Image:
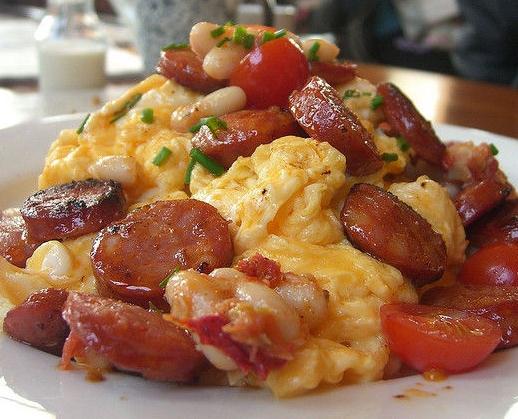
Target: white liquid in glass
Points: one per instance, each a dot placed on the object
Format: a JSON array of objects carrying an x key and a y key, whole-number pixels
[{"x": 71, "y": 64}]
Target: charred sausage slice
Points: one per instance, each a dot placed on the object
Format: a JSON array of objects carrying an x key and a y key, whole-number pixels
[
  {"x": 495, "y": 302},
  {"x": 73, "y": 209},
  {"x": 246, "y": 130},
  {"x": 404, "y": 118},
  {"x": 15, "y": 243},
  {"x": 378, "y": 223},
  {"x": 334, "y": 73},
  {"x": 130, "y": 338},
  {"x": 132, "y": 257},
  {"x": 38, "y": 321},
  {"x": 501, "y": 225},
  {"x": 321, "y": 113},
  {"x": 186, "y": 68}
]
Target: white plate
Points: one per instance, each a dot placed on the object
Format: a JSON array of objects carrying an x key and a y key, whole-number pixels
[{"x": 31, "y": 386}]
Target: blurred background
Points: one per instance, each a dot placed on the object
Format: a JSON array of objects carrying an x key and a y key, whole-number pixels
[{"x": 471, "y": 39}]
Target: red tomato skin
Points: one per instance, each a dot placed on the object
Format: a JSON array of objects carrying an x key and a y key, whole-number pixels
[
  {"x": 424, "y": 340},
  {"x": 492, "y": 265},
  {"x": 270, "y": 72}
]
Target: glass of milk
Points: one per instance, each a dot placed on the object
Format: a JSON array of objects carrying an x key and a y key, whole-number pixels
[{"x": 71, "y": 47}]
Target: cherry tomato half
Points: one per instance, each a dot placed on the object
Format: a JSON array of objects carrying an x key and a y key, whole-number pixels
[
  {"x": 492, "y": 265},
  {"x": 270, "y": 72},
  {"x": 427, "y": 337}
]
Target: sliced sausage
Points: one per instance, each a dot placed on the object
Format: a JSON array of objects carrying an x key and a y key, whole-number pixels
[
  {"x": 403, "y": 117},
  {"x": 38, "y": 321},
  {"x": 73, "y": 209},
  {"x": 130, "y": 338},
  {"x": 132, "y": 257},
  {"x": 378, "y": 223},
  {"x": 321, "y": 113},
  {"x": 334, "y": 73},
  {"x": 501, "y": 225},
  {"x": 246, "y": 130},
  {"x": 15, "y": 243},
  {"x": 186, "y": 68},
  {"x": 478, "y": 199},
  {"x": 495, "y": 302}
]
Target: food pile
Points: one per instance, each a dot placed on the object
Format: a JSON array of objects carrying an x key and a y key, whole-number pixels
[{"x": 257, "y": 214}]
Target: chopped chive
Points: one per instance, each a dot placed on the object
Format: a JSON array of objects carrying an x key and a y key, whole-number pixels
[
  {"x": 216, "y": 33},
  {"x": 212, "y": 122},
  {"x": 242, "y": 37},
  {"x": 126, "y": 107},
  {"x": 175, "y": 45},
  {"x": 147, "y": 116},
  {"x": 230, "y": 23},
  {"x": 376, "y": 102},
  {"x": 389, "y": 157},
  {"x": 351, "y": 93},
  {"x": 494, "y": 150},
  {"x": 163, "y": 282},
  {"x": 270, "y": 36},
  {"x": 82, "y": 126},
  {"x": 162, "y": 156},
  {"x": 402, "y": 143},
  {"x": 248, "y": 42},
  {"x": 280, "y": 33},
  {"x": 223, "y": 41},
  {"x": 212, "y": 166},
  {"x": 188, "y": 172},
  {"x": 312, "y": 55}
]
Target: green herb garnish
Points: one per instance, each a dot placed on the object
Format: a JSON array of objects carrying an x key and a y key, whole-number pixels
[
  {"x": 494, "y": 150},
  {"x": 223, "y": 41},
  {"x": 126, "y": 107},
  {"x": 212, "y": 122},
  {"x": 147, "y": 116},
  {"x": 163, "y": 282},
  {"x": 212, "y": 166},
  {"x": 351, "y": 93},
  {"x": 82, "y": 126},
  {"x": 175, "y": 45},
  {"x": 270, "y": 36},
  {"x": 188, "y": 172},
  {"x": 376, "y": 102},
  {"x": 402, "y": 143},
  {"x": 389, "y": 157},
  {"x": 242, "y": 37},
  {"x": 162, "y": 156},
  {"x": 216, "y": 33},
  {"x": 312, "y": 54}
]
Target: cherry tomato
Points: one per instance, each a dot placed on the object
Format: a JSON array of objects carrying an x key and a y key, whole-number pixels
[
  {"x": 427, "y": 337},
  {"x": 492, "y": 265},
  {"x": 270, "y": 72}
]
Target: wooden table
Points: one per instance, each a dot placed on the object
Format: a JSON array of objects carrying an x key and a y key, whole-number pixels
[{"x": 452, "y": 100}]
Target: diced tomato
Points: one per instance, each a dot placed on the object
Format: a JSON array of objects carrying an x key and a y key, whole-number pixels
[
  {"x": 492, "y": 265},
  {"x": 270, "y": 72},
  {"x": 449, "y": 340}
]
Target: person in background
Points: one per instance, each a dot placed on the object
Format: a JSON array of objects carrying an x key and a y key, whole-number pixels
[{"x": 488, "y": 48}]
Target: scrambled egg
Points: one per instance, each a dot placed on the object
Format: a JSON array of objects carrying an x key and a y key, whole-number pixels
[{"x": 283, "y": 202}]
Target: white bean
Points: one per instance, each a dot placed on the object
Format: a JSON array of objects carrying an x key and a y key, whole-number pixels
[
  {"x": 51, "y": 257},
  {"x": 123, "y": 169},
  {"x": 327, "y": 51},
  {"x": 201, "y": 40},
  {"x": 220, "y": 62},
  {"x": 222, "y": 101}
]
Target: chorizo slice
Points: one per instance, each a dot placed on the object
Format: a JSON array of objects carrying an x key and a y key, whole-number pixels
[
  {"x": 500, "y": 225},
  {"x": 378, "y": 223},
  {"x": 245, "y": 131},
  {"x": 404, "y": 118},
  {"x": 73, "y": 209},
  {"x": 132, "y": 257},
  {"x": 15, "y": 243},
  {"x": 186, "y": 68},
  {"x": 129, "y": 338},
  {"x": 478, "y": 199},
  {"x": 318, "y": 109},
  {"x": 495, "y": 302},
  {"x": 38, "y": 321},
  {"x": 334, "y": 73}
]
